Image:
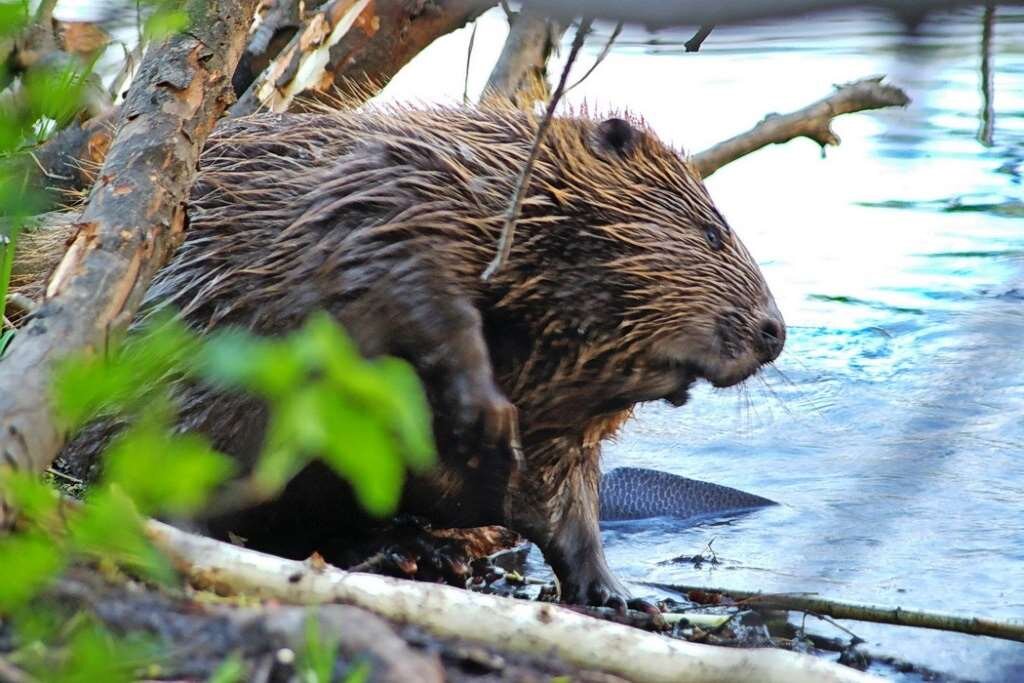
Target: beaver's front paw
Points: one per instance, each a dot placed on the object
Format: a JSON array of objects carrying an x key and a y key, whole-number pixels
[{"x": 482, "y": 411}]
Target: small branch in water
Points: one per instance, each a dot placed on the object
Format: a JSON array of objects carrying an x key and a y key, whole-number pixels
[
  {"x": 813, "y": 121},
  {"x": 694, "y": 43},
  {"x": 897, "y": 616},
  {"x": 509, "y": 229},
  {"x": 988, "y": 115}
]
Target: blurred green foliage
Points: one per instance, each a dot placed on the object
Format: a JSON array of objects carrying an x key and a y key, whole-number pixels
[{"x": 368, "y": 419}]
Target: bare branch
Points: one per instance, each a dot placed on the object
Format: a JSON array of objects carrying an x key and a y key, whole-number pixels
[
  {"x": 520, "y": 74},
  {"x": 352, "y": 42},
  {"x": 133, "y": 221},
  {"x": 813, "y": 121},
  {"x": 897, "y": 616},
  {"x": 694, "y": 43}
]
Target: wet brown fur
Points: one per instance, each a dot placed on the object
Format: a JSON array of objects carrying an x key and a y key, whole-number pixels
[{"x": 613, "y": 295}]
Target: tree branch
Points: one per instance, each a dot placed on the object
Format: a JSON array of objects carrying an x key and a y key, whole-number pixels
[
  {"x": 352, "y": 44},
  {"x": 509, "y": 624},
  {"x": 897, "y": 616},
  {"x": 133, "y": 221},
  {"x": 813, "y": 121},
  {"x": 520, "y": 74}
]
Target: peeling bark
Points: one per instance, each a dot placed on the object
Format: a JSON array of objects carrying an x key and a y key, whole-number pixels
[
  {"x": 134, "y": 219},
  {"x": 349, "y": 45},
  {"x": 813, "y": 121},
  {"x": 68, "y": 162}
]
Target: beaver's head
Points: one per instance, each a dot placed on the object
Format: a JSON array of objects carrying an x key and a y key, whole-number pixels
[{"x": 649, "y": 289}]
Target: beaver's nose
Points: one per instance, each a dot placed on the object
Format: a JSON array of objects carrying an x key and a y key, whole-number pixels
[{"x": 771, "y": 338}]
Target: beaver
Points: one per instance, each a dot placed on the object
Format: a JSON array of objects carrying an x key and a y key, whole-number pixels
[{"x": 625, "y": 284}]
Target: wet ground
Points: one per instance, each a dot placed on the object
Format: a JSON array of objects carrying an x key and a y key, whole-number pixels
[{"x": 891, "y": 429}]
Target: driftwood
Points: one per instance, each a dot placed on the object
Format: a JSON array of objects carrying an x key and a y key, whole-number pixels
[
  {"x": 513, "y": 625},
  {"x": 896, "y": 616},
  {"x": 134, "y": 219},
  {"x": 520, "y": 74},
  {"x": 813, "y": 121},
  {"x": 352, "y": 44}
]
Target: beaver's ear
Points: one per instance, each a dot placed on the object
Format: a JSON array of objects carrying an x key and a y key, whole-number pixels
[{"x": 618, "y": 136}]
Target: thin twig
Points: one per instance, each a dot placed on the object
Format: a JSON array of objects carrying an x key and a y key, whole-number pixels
[
  {"x": 63, "y": 475},
  {"x": 694, "y": 43},
  {"x": 509, "y": 229},
  {"x": 897, "y": 616},
  {"x": 469, "y": 57},
  {"x": 600, "y": 57}
]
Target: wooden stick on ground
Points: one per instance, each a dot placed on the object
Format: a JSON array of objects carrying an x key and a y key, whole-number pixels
[
  {"x": 813, "y": 121},
  {"x": 133, "y": 221},
  {"x": 515, "y": 625},
  {"x": 976, "y": 626}
]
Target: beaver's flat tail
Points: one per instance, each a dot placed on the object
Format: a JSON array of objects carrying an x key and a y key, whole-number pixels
[{"x": 638, "y": 493}]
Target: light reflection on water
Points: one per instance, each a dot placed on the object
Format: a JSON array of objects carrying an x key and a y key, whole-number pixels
[{"x": 892, "y": 430}]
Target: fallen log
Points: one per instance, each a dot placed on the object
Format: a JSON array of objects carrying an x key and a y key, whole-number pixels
[{"x": 514, "y": 625}]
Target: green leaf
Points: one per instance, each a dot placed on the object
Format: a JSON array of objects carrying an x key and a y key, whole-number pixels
[
  {"x": 30, "y": 561},
  {"x": 410, "y": 412},
  {"x": 13, "y": 17},
  {"x": 239, "y": 360},
  {"x": 364, "y": 452},
  {"x": 359, "y": 673},
  {"x": 94, "y": 654},
  {"x": 35, "y": 500},
  {"x": 6, "y": 337},
  {"x": 86, "y": 386},
  {"x": 315, "y": 663},
  {"x": 109, "y": 527},
  {"x": 8, "y": 240},
  {"x": 164, "y": 23},
  {"x": 231, "y": 670},
  {"x": 163, "y": 473},
  {"x": 54, "y": 92}
]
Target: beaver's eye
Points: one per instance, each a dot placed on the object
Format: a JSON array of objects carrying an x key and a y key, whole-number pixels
[{"x": 714, "y": 236}]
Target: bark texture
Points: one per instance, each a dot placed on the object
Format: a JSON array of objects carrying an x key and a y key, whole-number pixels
[
  {"x": 134, "y": 219},
  {"x": 352, "y": 45},
  {"x": 813, "y": 121}
]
